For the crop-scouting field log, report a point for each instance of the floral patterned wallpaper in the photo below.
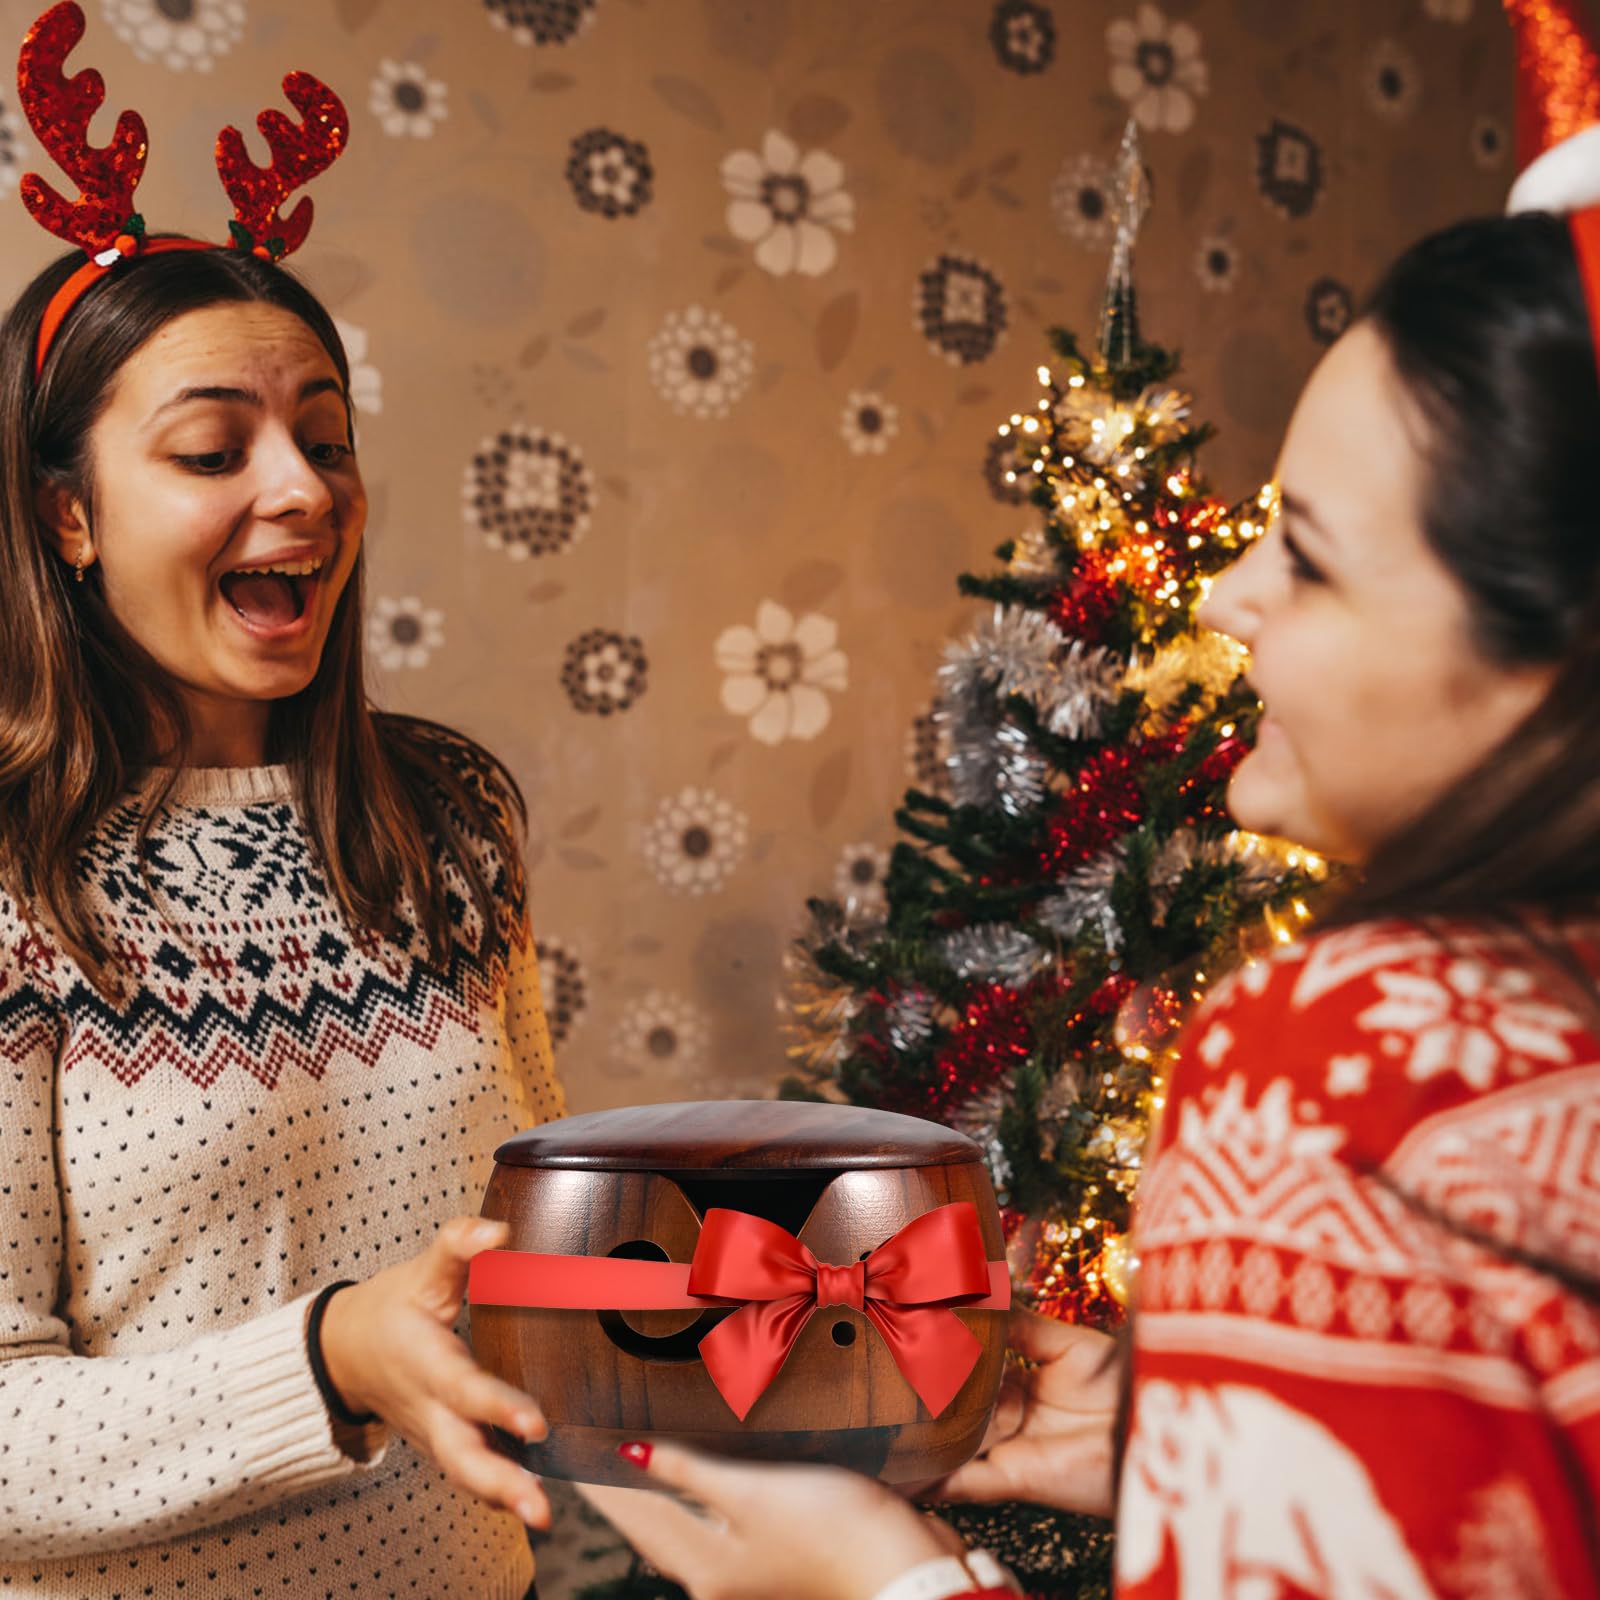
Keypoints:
(681, 329)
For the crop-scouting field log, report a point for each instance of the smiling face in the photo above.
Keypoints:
(224, 446)
(1376, 699)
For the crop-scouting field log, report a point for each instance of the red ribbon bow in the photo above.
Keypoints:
(906, 1287)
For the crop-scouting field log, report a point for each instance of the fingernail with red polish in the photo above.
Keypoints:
(636, 1452)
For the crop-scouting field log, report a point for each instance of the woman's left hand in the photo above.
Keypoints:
(765, 1532)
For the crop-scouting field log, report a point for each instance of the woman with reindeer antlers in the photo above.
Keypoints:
(267, 990)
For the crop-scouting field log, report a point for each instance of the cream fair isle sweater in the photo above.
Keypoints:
(281, 1102)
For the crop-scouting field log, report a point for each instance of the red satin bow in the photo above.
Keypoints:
(906, 1287)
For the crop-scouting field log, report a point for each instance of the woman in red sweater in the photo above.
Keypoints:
(1366, 1355)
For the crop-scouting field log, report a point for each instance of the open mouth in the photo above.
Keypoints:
(271, 597)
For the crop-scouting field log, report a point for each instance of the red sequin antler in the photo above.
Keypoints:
(58, 109)
(299, 153)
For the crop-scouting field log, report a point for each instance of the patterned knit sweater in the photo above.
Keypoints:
(281, 1102)
(1338, 1391)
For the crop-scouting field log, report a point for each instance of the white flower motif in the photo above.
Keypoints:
(786, 203)
(1080, 200)
(1392, 81)
(366, 382)
(780, 672)
(406, 101)
(1448, 10)
(1157, 68)
(1216, 263)
(1466, 1022)
(700, 363)
(869, 423)
(404, 633)
(659, 1035)
(695, 841)
(858, 880)
(178, 34)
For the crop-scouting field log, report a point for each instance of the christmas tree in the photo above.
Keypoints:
(1054, 911)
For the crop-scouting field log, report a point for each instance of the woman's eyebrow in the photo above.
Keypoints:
(1302, 513)
(251, 397)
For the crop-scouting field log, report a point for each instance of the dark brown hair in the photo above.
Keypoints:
(386, 799)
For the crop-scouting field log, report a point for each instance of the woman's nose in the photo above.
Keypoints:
(291, 485)
(1233, 605)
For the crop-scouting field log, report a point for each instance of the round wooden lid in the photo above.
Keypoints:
(749, 1137)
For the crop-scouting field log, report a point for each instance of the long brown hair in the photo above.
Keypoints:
(386, 799)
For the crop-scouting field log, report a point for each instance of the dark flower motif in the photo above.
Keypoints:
(1216, 264)
(1289, 173)
(1329, 309)
(529, 492)
(1080, 201)
(566, 992)
(1488, 142)
(1392, 82)
(1023, 34)
(961, 308)
(1009, 475)
(604, 672)
(610, 174)
(541, 21)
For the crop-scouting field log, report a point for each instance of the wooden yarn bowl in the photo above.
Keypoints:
(635, 1183)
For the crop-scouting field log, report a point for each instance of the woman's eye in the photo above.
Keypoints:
(1300, 568)
(329, 455)
(206, 461)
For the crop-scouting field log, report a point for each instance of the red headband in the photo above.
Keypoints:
(102, 221)
(1558, 128)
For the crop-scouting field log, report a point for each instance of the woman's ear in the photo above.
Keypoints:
(65, 521)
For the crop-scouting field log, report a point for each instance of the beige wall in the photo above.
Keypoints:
(490, 302)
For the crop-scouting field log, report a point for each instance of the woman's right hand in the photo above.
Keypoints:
(388, 1348)
(1049, 1441)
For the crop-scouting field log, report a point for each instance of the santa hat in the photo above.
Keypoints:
(1558, 127)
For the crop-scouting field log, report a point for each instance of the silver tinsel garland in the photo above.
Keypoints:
(1017, 652)
(909, 1018)
(1084, 899)
(993, 952)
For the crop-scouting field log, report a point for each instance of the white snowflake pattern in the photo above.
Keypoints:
(1348, 1074)
(1467, 1020)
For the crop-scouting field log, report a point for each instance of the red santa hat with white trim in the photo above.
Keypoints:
(1558, 127)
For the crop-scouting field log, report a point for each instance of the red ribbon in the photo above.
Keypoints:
(906, 1288)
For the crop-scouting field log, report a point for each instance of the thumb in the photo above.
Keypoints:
(461, 1238)
(444, 1263)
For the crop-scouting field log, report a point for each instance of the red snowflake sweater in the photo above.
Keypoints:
(1339, 1390)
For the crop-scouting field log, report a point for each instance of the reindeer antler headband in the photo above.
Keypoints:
(102, 220)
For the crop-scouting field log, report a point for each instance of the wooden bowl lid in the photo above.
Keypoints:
(745, 1136)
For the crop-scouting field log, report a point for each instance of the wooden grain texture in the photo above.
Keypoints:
(602, 1378)
(762, 1137)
